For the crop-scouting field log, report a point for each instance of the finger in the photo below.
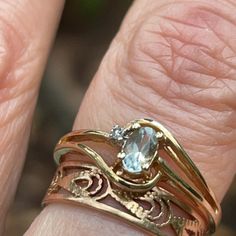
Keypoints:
(173, 62)
(26, 32)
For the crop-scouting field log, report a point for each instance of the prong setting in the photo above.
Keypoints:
(145, 166)
(121, 155)
(159, 135)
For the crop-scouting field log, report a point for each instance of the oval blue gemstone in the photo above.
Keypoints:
(139, 149)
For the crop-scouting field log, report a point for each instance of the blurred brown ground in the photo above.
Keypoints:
(85, 32)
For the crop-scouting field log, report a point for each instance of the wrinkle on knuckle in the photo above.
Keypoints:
(197, 51)
(190, 49)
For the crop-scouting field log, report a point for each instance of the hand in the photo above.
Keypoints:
(171, 61)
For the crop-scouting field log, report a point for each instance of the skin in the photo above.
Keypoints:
(173, 61)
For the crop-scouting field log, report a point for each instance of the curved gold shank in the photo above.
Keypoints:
(180, 156)
(65, 148)
(196, 199)
(198, 193)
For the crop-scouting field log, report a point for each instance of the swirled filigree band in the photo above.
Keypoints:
(141, 182)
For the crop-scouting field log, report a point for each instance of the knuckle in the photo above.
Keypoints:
(186, 51)
(181, 57)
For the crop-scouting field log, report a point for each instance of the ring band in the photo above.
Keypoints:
(142, 183)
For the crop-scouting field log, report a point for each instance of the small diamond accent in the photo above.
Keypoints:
(116, 133)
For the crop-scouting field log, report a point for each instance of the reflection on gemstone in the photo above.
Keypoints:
(139, 149)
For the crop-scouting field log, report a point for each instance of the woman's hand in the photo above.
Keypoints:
(173, 61)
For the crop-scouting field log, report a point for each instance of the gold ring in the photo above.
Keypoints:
(151, 179)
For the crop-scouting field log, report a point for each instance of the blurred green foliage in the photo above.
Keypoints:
(86, 10)
(86, 13)
(91, 8)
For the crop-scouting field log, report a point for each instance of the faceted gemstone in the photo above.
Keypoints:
(139, 149)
